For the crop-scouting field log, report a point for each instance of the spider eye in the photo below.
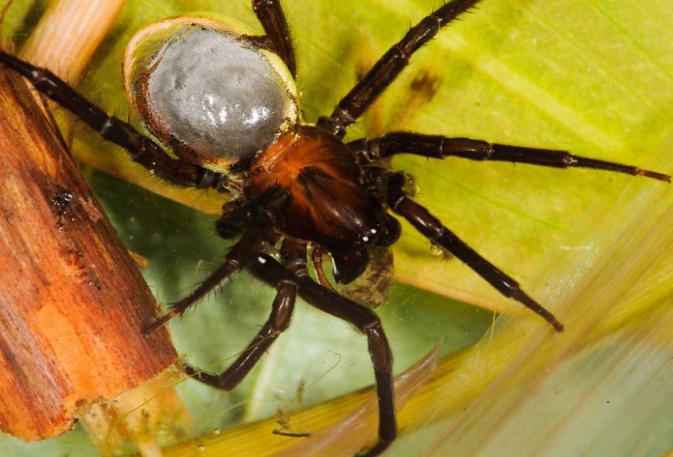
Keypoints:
(211, 94)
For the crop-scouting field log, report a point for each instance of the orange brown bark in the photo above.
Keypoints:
(72, 302)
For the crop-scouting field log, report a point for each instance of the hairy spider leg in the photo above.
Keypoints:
(141, 148)
(364, 319)
(386, 69)
(271, 16)
(428, 225)
(271, 203)
(440, 147)
(293, 254)
(278, 322)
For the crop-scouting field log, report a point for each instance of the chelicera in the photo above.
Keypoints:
(224, 103)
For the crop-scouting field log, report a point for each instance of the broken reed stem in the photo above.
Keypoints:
(74, 303)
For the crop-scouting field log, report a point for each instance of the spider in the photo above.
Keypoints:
(224, 102)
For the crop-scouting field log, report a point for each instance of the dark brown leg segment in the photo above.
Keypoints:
(384, 72)
(271, 203)
(365, 320)
(279, 321)
(439, 147)
(270, 15)
(436, 232)
(142, 150)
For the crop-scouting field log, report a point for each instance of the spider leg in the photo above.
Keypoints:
(439, 147)
(270, 15)
(384, 72)
(293, 253)
(435, 231)
(365, 320)
(279, 321)
(245, 250)
(142, 149)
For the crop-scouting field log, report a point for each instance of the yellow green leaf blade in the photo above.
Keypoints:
(590, 392)
(515, 72)
(522, 73)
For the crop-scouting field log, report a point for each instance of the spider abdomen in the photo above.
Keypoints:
(208, 91)
(328, 204)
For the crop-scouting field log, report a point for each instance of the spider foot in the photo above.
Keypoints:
(188, 369)
(204, 377)
(374, 451)
(520, 296)
(652, 174)
(162, 320)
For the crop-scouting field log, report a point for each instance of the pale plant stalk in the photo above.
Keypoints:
(68, 34)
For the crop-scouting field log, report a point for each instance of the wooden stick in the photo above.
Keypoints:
(72, 302)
